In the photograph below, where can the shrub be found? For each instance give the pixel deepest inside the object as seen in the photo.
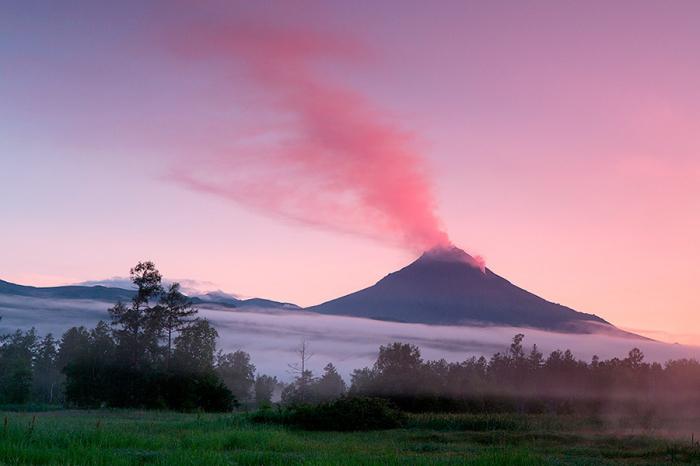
(269, 415)
(470, 422)
(189, 392)
(120, 387)
(343, 414)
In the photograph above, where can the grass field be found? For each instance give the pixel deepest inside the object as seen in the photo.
(138, 437)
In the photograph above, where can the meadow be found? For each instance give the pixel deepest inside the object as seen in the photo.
(129, 437)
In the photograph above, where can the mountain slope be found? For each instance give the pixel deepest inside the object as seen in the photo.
(449, 287)
(112, 295)
(97, 293)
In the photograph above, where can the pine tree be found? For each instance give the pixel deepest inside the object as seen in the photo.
(176, 312)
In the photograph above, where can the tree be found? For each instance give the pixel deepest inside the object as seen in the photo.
(16, 355)
(102, 346)
(237, 372)
(175, 312)
(298, 392)
(92, 377)
(303, 377)
(635, 358)
(329, 386)
(535, 359)
(47, 376)
(264, 389)
(398, 358)
(137, 329)
(399, 369)
(75, 346)
(304, 356)
(148, 282)
(122, 364)
(516, 351)
(195, 347)
(362, 381)
(128, 330)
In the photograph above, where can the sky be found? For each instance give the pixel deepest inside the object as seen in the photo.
(299, 151)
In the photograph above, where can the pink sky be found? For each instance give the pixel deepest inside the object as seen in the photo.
(557, 140)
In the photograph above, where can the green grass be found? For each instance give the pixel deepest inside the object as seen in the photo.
(138, 437)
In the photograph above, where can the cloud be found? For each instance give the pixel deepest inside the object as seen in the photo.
(349, 342)
(188, 286)
(113, 282)
(49, 316)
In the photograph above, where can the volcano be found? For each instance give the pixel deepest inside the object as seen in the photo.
(447, 286)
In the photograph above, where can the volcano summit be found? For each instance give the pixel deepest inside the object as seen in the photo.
(447, 286)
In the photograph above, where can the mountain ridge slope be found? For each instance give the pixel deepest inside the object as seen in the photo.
(114, 294)
(447, 286)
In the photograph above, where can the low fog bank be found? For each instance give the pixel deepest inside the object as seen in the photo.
(49, 316)
(273, 336)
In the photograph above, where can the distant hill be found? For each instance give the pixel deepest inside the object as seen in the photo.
(449, 287)
(112, 294)
(97, 293)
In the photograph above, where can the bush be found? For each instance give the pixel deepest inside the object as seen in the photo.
(343, 414)
(120, 387)
(269, 415)
(190, 392)
(470, 422)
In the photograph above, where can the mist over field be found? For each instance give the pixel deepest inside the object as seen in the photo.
(272, 336)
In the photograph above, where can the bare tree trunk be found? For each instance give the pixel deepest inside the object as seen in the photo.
(300, 368)
(170, 334)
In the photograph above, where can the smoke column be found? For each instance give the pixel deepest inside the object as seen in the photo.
(322, 154)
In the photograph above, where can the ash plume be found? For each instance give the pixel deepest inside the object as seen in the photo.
(323, 154)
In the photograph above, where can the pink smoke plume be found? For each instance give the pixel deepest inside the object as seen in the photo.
(323, 154)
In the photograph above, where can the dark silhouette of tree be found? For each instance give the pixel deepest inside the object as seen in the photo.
(75, 344)
(138, 328)
(127, 323)
(237, 372)
(329, 386)
(195, 347)
(16, 358)
(102, 346)
(635, 358)
(298, 390)
(399, 369)
(264, 389)
(362, 381)
(175, 313)
(148, 283)
(47, 376)
(516, 351)
(535, 359)
(126, 364)
(399, 358)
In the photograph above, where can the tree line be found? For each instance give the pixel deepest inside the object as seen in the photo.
(157, 353)
(154, 353)
(527, 381)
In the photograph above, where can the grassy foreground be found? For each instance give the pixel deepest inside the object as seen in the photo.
(138, 437)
